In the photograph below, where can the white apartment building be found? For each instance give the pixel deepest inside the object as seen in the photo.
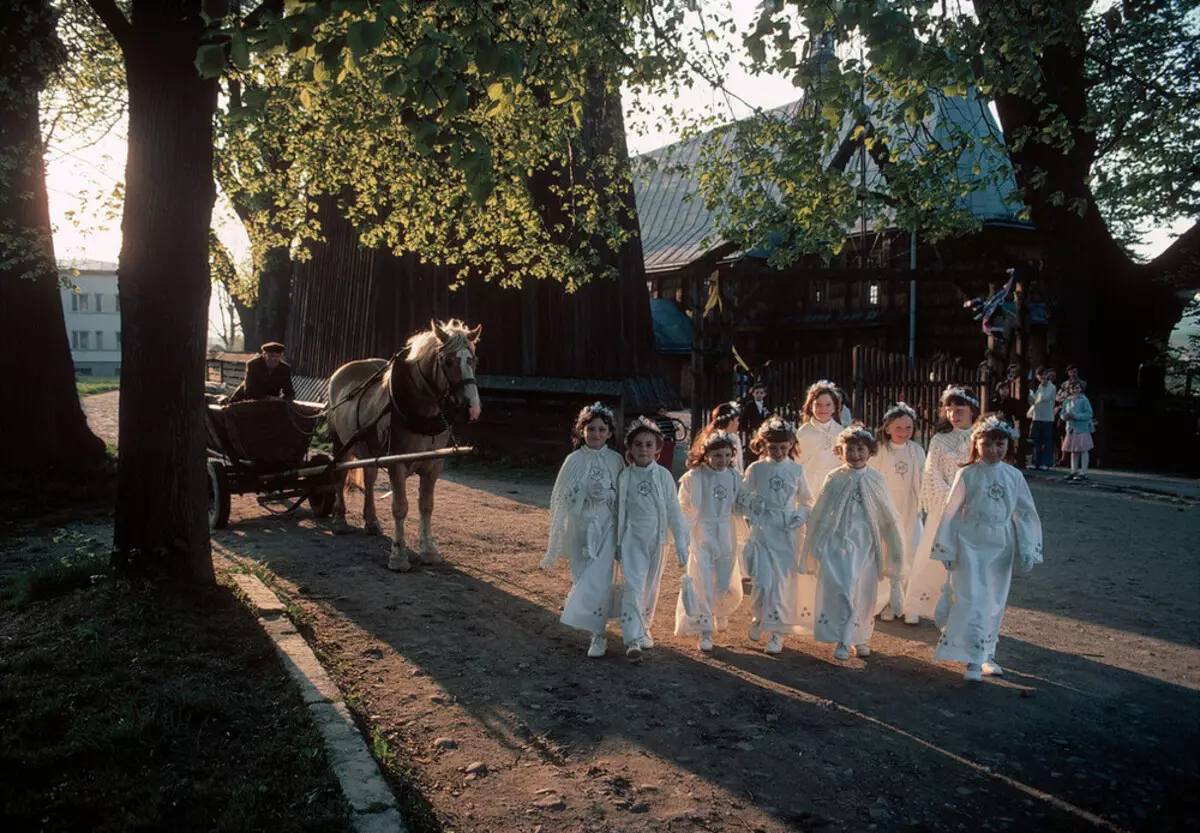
(92, 310)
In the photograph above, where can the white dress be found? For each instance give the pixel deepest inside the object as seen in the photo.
(901, 467)
(989, 526)
(583, 529)
(708, 500)
(782, 599)
(948, 452)
(816, 441)
(853, 540)
(647, 508)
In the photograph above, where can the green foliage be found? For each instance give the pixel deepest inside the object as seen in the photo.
(92, 385)
(76, 559)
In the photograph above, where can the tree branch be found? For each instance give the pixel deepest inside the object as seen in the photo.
(114, 20)
(1179, 263)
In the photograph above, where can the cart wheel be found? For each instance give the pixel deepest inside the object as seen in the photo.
(321, 503)
(218, 496)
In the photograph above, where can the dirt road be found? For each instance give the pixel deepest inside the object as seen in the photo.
(465, 667)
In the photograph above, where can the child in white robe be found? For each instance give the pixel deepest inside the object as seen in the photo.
(901, 462)
(948, 450)
(853, 541)
(647, 509)
(727, 417)
(583, 523)
(818, 435)
(782, 599)
(709, 493)
(989, 526)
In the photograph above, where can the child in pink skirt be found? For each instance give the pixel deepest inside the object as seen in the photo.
(1078, 415)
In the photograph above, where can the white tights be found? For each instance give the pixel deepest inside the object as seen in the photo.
(1079, 461)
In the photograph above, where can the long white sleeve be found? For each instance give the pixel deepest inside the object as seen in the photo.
(945, 543)
(1028, 527)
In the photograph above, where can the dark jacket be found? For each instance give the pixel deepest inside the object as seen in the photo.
(261, 381)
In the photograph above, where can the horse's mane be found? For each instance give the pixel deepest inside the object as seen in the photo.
(426, 344)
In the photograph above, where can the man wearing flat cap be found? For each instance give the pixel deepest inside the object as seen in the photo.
(268, 376)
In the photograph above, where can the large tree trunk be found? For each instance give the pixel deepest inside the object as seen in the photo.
(274, 302)
(1107, 313)
(161, 518)
(44, 425)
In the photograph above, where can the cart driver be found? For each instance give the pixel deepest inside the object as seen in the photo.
(268, 376)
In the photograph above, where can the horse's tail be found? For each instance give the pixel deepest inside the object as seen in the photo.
(354, 479)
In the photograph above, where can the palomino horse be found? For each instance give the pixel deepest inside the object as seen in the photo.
(396, 407)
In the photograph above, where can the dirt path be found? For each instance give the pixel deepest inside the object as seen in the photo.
(1096, 724)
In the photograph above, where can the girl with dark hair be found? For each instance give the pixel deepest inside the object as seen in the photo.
(989, 525)
(948, 449)
(709, 493)
(901, 461)
(726, 417)
(647, 509)
(853, 541)
(583, 527)
(818, 434)
(781, 601)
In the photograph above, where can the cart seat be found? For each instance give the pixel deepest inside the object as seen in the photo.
(262, 430)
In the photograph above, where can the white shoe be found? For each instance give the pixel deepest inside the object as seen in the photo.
(705, 642)
(841, 652)
(775, 644)
(886, 614)
(863, 650)
(973, 674)
(909, 619)
(755, 630)
(991, 669)
(634, 652)
(647, 642)
(599, 645)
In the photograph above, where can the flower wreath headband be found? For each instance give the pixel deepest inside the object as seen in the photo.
(643, 424)
(898, 410)
(994, 423)
(778, 424)
(719, 438)
(598, 409)
(731, 409)
(855, 432)
(962, 394)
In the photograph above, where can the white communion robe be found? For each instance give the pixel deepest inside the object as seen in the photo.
(816, 441)
(990, 525)
(647, 509)
(781, 599)
(708, 499)
(948, 452)
(901, 467)
(853, 541)
(583, 529)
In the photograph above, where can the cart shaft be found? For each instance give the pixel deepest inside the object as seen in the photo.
(372, 462)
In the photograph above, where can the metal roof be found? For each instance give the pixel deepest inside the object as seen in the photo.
(677, 229)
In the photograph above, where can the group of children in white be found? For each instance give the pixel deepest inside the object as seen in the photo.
(836, 525)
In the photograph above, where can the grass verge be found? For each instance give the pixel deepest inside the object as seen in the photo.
(92, 385)
(149, 709)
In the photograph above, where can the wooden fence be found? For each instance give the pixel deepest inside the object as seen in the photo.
(873, 381)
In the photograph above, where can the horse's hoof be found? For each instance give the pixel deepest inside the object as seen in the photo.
(372, 528)
(399, 562)
(431, 557)
(340, 527)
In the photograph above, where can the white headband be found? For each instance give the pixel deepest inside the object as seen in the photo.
(777, 424)
(961, 393)
(856, 432)
(720, 438)
(597, 408)
(899, 409)
(643, 424)
(994, 423)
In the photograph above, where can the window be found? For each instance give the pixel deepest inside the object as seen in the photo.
(74, 339)
(873, 294)
(99, 340)
(83, 340)
(118, 339)
(117, 302)
(99, 302)
(74, 302)
(83, 371)
(83, 301)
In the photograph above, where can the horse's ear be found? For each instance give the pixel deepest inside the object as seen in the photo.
(475, 333)
(438, 330)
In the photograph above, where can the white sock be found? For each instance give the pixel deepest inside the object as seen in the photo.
(1083, 461)
(1074, 461)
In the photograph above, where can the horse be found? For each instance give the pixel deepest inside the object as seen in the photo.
(397, 407)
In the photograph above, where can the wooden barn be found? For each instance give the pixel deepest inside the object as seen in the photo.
(544, 353)
(888, 290)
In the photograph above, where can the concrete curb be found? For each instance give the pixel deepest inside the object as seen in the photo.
(372, 803)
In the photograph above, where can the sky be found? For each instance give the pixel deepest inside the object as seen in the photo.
(77, 171)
